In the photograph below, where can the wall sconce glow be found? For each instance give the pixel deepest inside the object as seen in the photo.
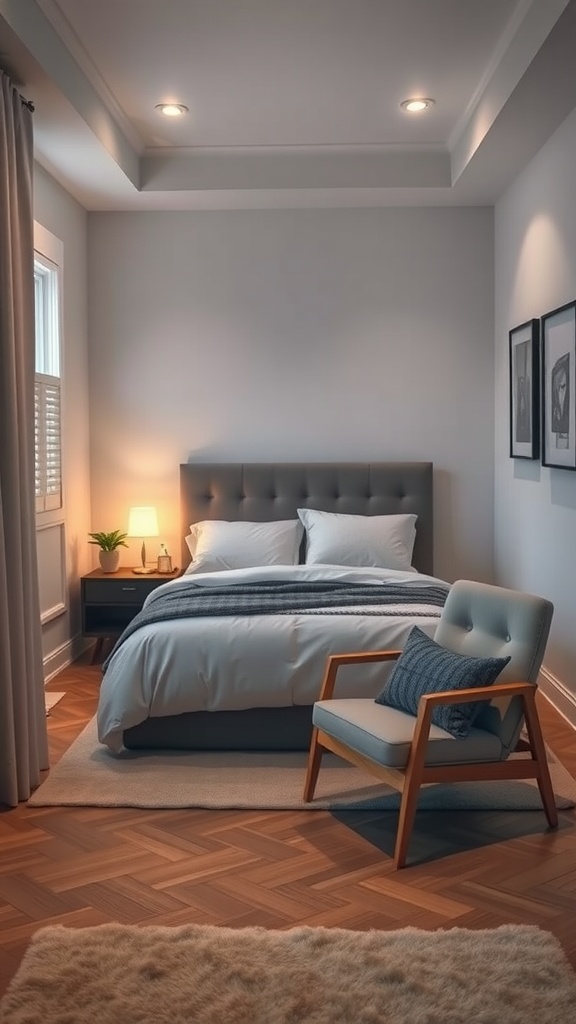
(171, 109)
(417, 104)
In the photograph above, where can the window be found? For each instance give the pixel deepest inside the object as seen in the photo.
(47, 391)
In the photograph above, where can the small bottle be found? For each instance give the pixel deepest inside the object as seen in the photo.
(164, 560)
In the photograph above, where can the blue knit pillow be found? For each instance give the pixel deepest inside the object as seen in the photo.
(425, 667)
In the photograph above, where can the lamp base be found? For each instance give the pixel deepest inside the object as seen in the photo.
(143, 570)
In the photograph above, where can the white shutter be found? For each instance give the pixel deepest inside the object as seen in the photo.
(48, 463)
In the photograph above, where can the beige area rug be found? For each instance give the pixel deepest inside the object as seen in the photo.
(89, 775)
(125, 974)
(51, 699)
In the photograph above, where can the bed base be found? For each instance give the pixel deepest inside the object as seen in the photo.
(287, 728)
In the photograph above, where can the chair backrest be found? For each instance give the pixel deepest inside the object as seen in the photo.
(486, 621)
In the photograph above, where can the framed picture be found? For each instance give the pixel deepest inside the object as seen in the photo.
(524, 391)
(559, 387)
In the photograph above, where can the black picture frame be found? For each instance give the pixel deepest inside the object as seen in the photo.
(558, 341)
(524, 361)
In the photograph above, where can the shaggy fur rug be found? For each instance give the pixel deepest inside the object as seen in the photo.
(200, 974)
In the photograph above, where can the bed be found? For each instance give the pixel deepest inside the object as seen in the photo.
(247, 679)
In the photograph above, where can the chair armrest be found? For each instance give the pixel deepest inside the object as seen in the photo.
(475, 693)
(428, 701)
(357, 657)
(354, 658)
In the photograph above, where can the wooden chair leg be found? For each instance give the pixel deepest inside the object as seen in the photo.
(314, 759)
(408, 807)
(412, 782)
(539, 754)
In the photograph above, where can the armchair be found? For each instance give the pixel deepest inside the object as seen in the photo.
(406, 752)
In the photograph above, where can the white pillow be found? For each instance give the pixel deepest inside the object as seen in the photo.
(385, 542)
(216, 544)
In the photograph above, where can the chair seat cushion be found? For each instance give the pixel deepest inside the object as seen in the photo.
(384, 734)
(426, 667)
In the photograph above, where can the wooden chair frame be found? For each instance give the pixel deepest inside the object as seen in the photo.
(409, 779)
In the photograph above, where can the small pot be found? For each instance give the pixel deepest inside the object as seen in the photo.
(109, 560)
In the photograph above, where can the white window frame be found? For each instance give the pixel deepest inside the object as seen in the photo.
(48, 270)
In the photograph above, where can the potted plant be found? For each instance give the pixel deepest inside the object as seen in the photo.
(109, 544)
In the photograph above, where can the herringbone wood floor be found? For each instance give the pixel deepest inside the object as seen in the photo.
(86, 866)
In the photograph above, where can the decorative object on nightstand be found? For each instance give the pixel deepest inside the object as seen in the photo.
(109, 543)
(164, 560)
(143, 522)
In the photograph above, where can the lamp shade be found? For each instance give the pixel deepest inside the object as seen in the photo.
(143, 521)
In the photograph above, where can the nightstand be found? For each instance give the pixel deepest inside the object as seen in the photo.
(111, 599)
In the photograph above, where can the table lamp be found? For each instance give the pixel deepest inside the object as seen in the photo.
(143, 522)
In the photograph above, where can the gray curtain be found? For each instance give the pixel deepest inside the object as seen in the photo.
(23, 740)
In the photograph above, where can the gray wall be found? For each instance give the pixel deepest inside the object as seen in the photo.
(287, 335)
(535, 506)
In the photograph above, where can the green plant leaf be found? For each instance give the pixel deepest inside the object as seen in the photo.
(109, 541)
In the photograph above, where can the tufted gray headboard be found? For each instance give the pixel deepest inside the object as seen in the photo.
(265, 491)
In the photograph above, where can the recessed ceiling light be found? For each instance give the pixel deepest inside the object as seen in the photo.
(417, 104)
(172, 109)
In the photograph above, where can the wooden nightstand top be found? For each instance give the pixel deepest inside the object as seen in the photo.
(126, 573)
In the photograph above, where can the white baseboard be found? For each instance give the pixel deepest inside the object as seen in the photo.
(559, 695)
(64, 655)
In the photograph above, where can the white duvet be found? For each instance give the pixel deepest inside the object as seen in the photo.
(236, 662)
